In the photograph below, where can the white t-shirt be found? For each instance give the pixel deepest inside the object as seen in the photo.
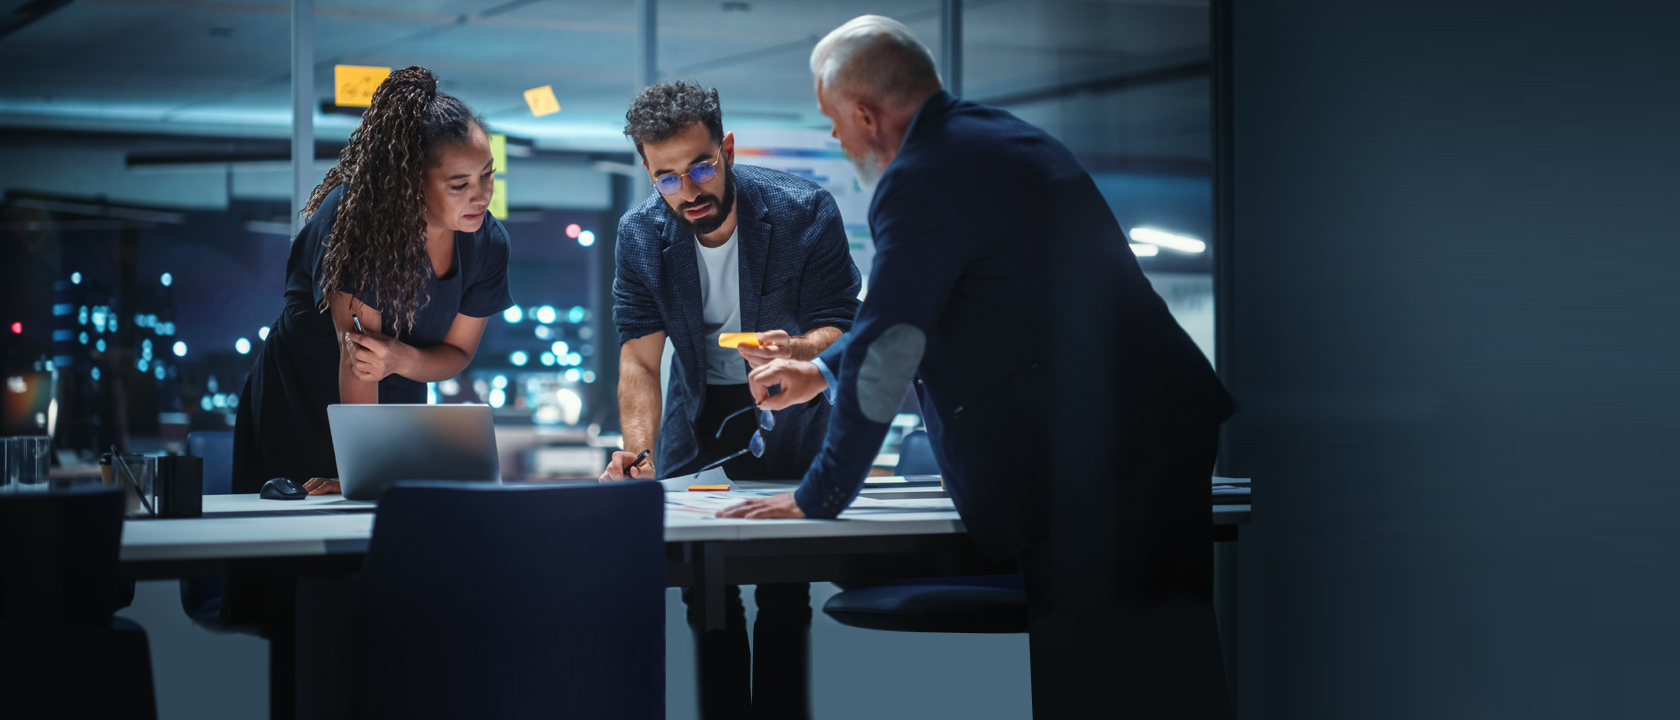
(720, 294)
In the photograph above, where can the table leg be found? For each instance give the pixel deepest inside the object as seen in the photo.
(708, 584)
(1225, 608)
(280, 627)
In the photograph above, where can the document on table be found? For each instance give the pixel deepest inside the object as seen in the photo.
(680, 483)
(691, 505)
(694, 505)
(874, 506)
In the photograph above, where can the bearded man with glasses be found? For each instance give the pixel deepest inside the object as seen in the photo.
(722, 248)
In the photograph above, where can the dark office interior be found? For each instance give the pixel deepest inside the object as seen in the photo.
(1427, 248)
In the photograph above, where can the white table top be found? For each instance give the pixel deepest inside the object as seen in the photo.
(237, 526)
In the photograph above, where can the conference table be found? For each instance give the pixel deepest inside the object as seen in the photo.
(896, 529)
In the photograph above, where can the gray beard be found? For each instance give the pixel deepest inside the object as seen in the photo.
(869, 169)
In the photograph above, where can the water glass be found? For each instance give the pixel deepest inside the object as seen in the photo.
(26, 463)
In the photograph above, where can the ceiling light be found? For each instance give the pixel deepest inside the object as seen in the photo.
(1168, 240)
(1144, 250)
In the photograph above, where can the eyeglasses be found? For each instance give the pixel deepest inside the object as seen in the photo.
(671, 183)
(766, 422)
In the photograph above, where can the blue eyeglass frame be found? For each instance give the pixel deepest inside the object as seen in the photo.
(766, 421)
(708, 168)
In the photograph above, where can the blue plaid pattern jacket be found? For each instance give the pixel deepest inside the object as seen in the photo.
(797, 275)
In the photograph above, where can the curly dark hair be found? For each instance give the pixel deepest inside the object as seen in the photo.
(663, 111)
(378, 241)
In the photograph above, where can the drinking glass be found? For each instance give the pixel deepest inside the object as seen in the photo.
(26, 463)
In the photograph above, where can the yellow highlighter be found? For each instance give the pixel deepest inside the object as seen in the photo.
(730, 340)
(707, 488)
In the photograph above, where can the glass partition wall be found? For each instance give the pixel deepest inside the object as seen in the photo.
(145, 154)
(1126, 86)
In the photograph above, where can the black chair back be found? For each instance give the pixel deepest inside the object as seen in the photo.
(521, 600)
(915, 455)
(58, 554)
(62, 654)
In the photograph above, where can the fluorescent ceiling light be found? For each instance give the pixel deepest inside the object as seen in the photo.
(1144, 250)
(1168, 240)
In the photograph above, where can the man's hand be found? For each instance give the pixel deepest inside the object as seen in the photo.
(774, 507)
(321, 486)
(374, 356)
(771, 345)
(615, 467)
(800, 381)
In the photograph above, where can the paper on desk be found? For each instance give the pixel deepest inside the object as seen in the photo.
(680, 483)
(694, 505)
(873, 506)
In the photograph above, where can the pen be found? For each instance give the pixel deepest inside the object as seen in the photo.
(639, 459)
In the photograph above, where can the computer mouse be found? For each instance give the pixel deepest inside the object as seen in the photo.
(283, 489)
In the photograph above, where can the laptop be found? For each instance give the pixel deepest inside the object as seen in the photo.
(377, 445)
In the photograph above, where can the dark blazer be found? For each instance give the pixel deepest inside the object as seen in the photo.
(966, 221)
(797, 275)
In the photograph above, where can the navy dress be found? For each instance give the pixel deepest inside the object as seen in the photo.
(281, 430)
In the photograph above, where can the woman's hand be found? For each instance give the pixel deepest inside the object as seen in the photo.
(321, 486)
(374, 356)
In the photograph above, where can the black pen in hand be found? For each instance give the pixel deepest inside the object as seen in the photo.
(638, 462)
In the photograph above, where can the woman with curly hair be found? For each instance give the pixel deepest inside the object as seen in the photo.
(399, 241)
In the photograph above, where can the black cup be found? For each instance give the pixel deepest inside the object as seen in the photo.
(180, 486)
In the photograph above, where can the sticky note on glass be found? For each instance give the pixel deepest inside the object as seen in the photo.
(353, 85)
(541, 100)
(498, 201)
(730, 340)
(498, 152)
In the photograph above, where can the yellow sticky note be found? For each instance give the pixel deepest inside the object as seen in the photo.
(353, 85)
(542, 101)
(730, 340)
(498, 201)
(498, 150)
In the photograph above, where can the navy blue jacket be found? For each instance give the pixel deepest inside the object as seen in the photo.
(796, 275)
(966, 220)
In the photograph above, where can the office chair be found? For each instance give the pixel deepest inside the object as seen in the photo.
(519, 600)
(915, 455)
(201, 598)
(65, 654)
(973, 604)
